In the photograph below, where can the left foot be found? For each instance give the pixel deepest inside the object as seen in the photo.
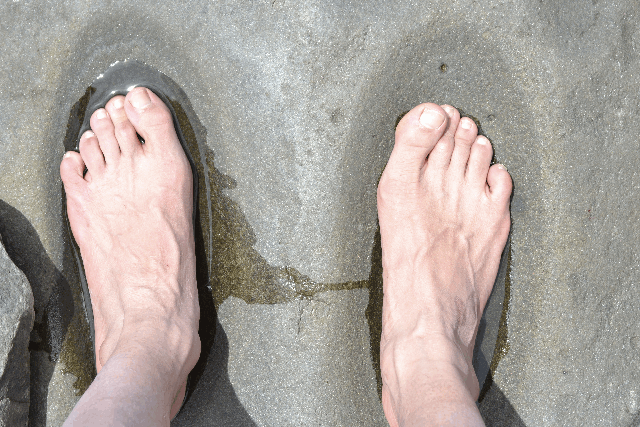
(131, 215)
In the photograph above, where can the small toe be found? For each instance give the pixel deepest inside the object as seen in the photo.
(500, 184)
(464, 138)
(440, 156)
(124, 131)
(72, 169)
(416, 135)
(151, 118)
(479, 161)
(102, 126)
(91, 153)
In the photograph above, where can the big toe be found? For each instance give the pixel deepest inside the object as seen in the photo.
(151, 119)
(416, 135)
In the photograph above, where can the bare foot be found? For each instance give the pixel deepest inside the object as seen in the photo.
(444, 221)
(131, 215)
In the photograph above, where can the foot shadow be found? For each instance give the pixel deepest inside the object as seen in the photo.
(495, 408)
(214, 402)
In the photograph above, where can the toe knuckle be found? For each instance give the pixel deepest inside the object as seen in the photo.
(386, 191)
(125, 129)
(163, 116)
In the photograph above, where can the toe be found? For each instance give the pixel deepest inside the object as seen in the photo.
(464, 138)
(479, 161)
(91, 153)
(72, 170)
(416, 135)
(125, 133)
(440, 156)
(151, 119)
(102, 126)
(500, 184)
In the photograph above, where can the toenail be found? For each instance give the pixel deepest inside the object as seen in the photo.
(88, 134)
(501, 166)
(139, 98)
(431, 119)
(465, 123)
(118, 103)
(482, 140)
(66, 154)
(448, 109)
(101, 113)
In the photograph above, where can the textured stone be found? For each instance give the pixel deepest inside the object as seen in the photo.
(16, 321)
(295, 102)
(319, 361)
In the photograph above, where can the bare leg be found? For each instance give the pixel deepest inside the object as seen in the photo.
(444, 221)
(131, 215)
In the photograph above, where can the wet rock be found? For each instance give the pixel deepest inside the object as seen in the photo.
(16, 321)
(296, 103)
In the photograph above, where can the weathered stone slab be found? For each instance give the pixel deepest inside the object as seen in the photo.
(316, 372)
(296, 102)
(16, 321)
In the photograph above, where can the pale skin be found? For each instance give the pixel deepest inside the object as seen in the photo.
(444, 219)
(131, 215)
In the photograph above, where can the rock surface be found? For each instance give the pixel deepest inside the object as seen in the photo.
(16, 321)
(294, 104)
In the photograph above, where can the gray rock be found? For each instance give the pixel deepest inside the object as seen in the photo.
(297, 100)
(317, 362)
(16, 321)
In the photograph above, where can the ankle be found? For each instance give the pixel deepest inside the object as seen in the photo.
(432, 364)
(171, 348)
(174, 336)
(427, 382)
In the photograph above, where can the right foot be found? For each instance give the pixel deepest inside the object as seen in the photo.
(131, 215)
(444, 221)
